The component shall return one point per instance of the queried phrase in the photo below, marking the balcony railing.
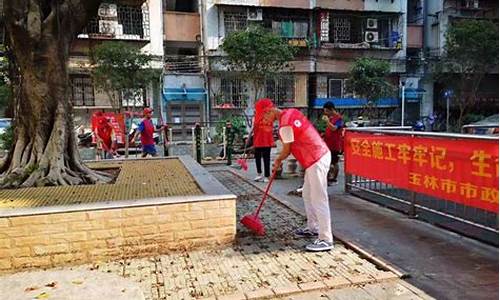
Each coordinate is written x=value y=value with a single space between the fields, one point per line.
x=121 y=22
x=182 y=64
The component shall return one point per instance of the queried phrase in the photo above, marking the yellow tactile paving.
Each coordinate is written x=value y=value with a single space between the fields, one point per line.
x=137 y=180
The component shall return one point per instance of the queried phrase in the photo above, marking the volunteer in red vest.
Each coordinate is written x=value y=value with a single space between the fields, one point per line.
x=263 y=141
x=333 y=136
x=146 y=130
x=300 y=138
x=105 y=137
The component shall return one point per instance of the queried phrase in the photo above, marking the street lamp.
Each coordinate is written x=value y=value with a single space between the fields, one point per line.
x=402 y=103
x=448 y=94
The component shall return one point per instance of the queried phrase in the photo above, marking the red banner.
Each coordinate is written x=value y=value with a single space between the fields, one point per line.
x=464 y=171
x=116 y=120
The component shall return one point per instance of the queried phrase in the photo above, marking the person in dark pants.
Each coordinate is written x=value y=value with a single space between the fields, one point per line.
x=263 y=140
x=333 y=137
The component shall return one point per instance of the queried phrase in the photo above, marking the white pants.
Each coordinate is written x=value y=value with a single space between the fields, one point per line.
x=315 y=196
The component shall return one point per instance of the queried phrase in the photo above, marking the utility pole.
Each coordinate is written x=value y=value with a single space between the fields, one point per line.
x=402 y=103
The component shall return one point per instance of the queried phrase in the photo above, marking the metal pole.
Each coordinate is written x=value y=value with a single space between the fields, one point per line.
x=447 y=113
x=403 y=104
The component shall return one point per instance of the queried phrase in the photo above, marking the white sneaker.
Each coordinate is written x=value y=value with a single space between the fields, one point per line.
x=265 y=179
x=258 y=178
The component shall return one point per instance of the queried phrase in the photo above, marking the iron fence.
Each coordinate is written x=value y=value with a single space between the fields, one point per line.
x=467 y=220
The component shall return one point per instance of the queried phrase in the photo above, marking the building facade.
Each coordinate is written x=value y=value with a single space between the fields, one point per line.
x=330 y=35
x=136 y=22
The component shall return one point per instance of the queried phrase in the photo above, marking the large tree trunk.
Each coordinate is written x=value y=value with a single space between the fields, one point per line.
x=39 y=38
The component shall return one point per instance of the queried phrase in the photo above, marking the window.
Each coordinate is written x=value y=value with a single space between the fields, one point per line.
x=281 y=90
x=335 y=88
x=235 y=21
x=233 y=93
x=291 y=29
x=341 y=30
x=82 y=91
x=133 y=98
x=131 y=20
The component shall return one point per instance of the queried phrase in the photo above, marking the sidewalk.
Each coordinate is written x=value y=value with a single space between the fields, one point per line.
x=443 y=264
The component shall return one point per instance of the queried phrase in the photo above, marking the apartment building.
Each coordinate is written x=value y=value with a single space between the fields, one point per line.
x=330 y=35
x=137 y=22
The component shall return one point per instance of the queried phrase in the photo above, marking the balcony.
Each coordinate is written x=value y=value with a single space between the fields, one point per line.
x=414 y=36
x=119 y=22
x=181 y=26
x=304 y=4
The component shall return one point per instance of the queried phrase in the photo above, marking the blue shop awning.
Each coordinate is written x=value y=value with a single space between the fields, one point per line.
x=355 y=102
x=188 y=94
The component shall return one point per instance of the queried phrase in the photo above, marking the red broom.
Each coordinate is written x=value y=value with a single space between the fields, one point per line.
x=252 y=221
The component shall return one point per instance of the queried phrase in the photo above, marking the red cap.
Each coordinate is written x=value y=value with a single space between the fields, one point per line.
x=148 y=110
x=263 y=105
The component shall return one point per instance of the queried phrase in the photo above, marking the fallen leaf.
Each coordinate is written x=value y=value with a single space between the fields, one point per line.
x=52 y=284
x=43 y=295
x=31 y=288
x=77 y=282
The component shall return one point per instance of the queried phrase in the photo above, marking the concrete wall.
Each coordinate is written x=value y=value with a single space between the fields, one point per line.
x=181 y=26
x=51 y=240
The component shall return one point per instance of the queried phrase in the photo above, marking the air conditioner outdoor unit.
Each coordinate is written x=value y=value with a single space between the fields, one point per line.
x=108 y=10
x=371 y=36
x=371 y=23
x=107 y=27
x=254 y=14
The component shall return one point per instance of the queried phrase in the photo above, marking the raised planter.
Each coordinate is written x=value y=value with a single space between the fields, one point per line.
x=131 y=218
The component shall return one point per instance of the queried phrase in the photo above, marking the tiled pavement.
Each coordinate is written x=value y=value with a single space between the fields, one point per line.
x=261 y=267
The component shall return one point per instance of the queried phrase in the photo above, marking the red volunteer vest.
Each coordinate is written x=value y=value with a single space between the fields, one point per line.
x=334 y=139
x=308 y=147
x=263 y=134
x=147 y=134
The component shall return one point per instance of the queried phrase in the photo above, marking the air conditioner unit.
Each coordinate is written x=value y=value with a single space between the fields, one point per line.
x=107 y=10
x=254 y=14
x=371 y=36
x=371 y=23
x=107 y=27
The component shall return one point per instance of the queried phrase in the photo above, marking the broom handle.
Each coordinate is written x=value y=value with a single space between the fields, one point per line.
x=265 y=194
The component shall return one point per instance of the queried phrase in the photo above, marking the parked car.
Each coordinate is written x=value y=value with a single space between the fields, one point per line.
x=487 y=126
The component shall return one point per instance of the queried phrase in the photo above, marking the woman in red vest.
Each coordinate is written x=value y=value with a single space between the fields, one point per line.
x=263 y=141
x=300 y=138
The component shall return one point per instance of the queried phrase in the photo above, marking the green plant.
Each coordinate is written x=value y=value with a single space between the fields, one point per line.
x=238 y=123
x=7 y=138
x=257 y=54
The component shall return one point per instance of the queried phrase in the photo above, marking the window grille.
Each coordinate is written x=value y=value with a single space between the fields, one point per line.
x=233 y=93
x=129 y=22
x=133 y=98
x=341 y=30
x=281 y=90
x=82 y=91
x=235 y=21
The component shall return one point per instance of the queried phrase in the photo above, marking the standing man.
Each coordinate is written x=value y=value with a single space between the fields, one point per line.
x=146 y=129
x=300 y=138
x=333 y=137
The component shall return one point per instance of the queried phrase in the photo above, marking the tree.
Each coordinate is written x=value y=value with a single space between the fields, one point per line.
x=368 y=80
x=471 y=51
x=257 y=54
x=39 y=35
x=120 y=69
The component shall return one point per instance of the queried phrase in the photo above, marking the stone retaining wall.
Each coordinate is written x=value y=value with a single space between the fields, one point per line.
x=55 y=239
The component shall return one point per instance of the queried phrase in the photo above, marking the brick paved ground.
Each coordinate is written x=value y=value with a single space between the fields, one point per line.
x=260 y=267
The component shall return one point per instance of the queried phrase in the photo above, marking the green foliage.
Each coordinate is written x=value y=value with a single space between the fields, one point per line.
x=471 y=51
x=368 y=79
x=257 y=53
x=121 y=67
x=7 y=138
x=238 y=122
x=320 y=124
x=5 y=87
